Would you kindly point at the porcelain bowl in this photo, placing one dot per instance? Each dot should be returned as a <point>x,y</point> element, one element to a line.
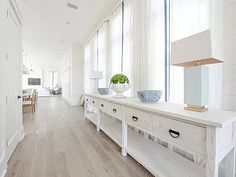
<point>103,91</point>
<point>149,96</point>
<point>119,89</point>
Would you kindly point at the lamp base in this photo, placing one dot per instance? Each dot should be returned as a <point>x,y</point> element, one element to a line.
<point>196,108</point>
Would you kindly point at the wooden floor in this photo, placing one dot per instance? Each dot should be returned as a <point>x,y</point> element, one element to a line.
<point>60,143</point>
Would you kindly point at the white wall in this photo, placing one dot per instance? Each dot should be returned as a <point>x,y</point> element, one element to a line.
<point>77,69</point>
<point>73,74</point>
<point>229,72</point>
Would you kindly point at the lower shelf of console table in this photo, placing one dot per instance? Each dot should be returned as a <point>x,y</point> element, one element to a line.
<point>154,157</point>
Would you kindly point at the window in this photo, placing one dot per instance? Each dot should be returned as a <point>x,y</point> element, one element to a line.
<point>51,79</point>
<point>127,45</point>
<point>120,51</point>
<point>102,54</point>
<point>157,46</point>
<point>148,45</point>
<point>141,41</point>
<point>115,43</point>
<point>93,54</point>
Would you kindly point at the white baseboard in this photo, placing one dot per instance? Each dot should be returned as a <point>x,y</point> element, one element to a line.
<point>3,163</point>
<point>22,137</point>
<point>67,100</point>
<point>3,168</point>
<point>74,103</point>
<point>71,103</point>
<point>4,173</point>
<point>22,133</point>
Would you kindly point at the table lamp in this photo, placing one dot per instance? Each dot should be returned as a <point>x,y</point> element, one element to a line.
<point>96,75</point>
<point>193,53</point>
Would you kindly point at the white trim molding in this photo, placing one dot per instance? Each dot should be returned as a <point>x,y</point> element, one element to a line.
<point>4,173</point>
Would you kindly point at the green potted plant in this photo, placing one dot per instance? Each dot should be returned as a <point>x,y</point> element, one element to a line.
<point>119,83</point>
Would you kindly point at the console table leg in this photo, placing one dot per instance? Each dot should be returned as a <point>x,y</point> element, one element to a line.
<point>234,163</point>
<point>124,137</point>
<point>211,152</point>
<point>85,111</point>
<point>98,120</point>
<point>234,138</point>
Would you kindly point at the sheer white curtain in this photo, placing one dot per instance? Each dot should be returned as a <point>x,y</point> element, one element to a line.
<point>148,44</point>
<point>157,46</point>
<point>96,57</point>
<point>90,63</point>
<point>115,43</point>
<point>144,44</point>
<point>88,68</point>
<point>117,64</point>
<point>102,53</point>
<point>127,48</point>
<point>93,54</point>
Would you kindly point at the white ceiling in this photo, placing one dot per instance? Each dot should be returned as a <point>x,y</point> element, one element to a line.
<point>45,34</point>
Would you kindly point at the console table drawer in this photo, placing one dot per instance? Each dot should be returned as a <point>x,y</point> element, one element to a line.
<point>182,134</point>
<point>115,110</point>
<point>94,101</point>
<point>87,99</point>
<point>103,105</point>
<point>111,109</point>
<point>138,118</point>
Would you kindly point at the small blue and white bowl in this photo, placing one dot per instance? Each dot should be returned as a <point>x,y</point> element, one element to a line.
<point>149,96</point>
<point>103,91</point>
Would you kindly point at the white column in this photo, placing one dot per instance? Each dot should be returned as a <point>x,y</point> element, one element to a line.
<point>124,134</point>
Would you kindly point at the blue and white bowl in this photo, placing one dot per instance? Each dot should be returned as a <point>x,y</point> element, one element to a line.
<point>149,96</point>
<point>103,91</point>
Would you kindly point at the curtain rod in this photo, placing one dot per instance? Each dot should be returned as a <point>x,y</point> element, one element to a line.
<point>105,20</point>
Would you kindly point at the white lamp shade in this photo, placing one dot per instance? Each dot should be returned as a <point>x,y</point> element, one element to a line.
<point>195,50</point>
<point>96,75</point>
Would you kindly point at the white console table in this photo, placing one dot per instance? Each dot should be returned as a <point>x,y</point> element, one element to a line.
<point>209,137</point>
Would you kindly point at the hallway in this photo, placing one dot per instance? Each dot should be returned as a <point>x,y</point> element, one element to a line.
<point>60,143</point>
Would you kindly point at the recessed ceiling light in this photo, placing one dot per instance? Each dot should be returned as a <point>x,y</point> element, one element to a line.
<point>67,23</point>
<point>70,5</point>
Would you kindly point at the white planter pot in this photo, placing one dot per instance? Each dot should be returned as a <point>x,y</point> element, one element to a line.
<point>119,89</point>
